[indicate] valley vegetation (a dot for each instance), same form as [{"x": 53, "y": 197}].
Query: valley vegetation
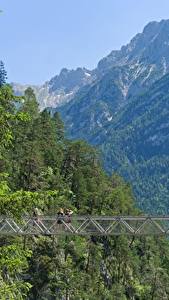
[{"x": 40, "y": 168}]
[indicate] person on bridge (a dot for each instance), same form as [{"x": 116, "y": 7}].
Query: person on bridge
[
  {"x": 36, "y": 214},
  {"x": 68, "y": 213},
  {"x": 60, "y": 215}
]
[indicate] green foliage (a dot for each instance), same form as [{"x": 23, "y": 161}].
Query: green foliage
[
  {"x": 44, "y": 170},
  {"x": 13, "y": 261}
]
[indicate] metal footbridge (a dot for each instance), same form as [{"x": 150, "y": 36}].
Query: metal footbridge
[{"x": 85, "y": 225}]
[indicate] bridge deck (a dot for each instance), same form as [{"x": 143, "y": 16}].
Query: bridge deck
[{"x": 86, "y": 225}]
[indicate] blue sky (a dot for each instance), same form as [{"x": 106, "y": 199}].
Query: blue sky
[{"x": 40, "y": 37}]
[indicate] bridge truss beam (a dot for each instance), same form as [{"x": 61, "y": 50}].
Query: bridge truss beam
[{"x": 86, "y": 225}]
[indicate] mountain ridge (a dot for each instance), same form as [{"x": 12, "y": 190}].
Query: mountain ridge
[{"x": 59, "y": 90}]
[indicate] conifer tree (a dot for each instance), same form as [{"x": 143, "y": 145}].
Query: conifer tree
[{"x": 3, "y": 74}]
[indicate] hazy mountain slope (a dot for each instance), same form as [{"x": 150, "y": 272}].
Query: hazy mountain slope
[{"x": 60, "y": 89}]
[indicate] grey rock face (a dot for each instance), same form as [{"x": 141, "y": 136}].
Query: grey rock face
[{"x": 60, "y": 89}]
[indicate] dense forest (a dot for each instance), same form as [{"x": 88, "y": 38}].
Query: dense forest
[{"x": 40, "y": 168}]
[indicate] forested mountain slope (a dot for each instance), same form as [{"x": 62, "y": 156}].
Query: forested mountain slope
[
  {"x": 135, "y": 143},
  {"x": 125, "y": 113},
  {"x": 40, "y": 168}
]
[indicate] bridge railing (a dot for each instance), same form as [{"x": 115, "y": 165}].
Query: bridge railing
[{"x": 86, "y": 225}]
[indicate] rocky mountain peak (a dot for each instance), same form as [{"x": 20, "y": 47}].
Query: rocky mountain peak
[
  {"x": 149, "y": 47},
  {"x": 69, "y": 80}
]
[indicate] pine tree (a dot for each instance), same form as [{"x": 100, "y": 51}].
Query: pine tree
[{"x": 3, "y": 74}]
